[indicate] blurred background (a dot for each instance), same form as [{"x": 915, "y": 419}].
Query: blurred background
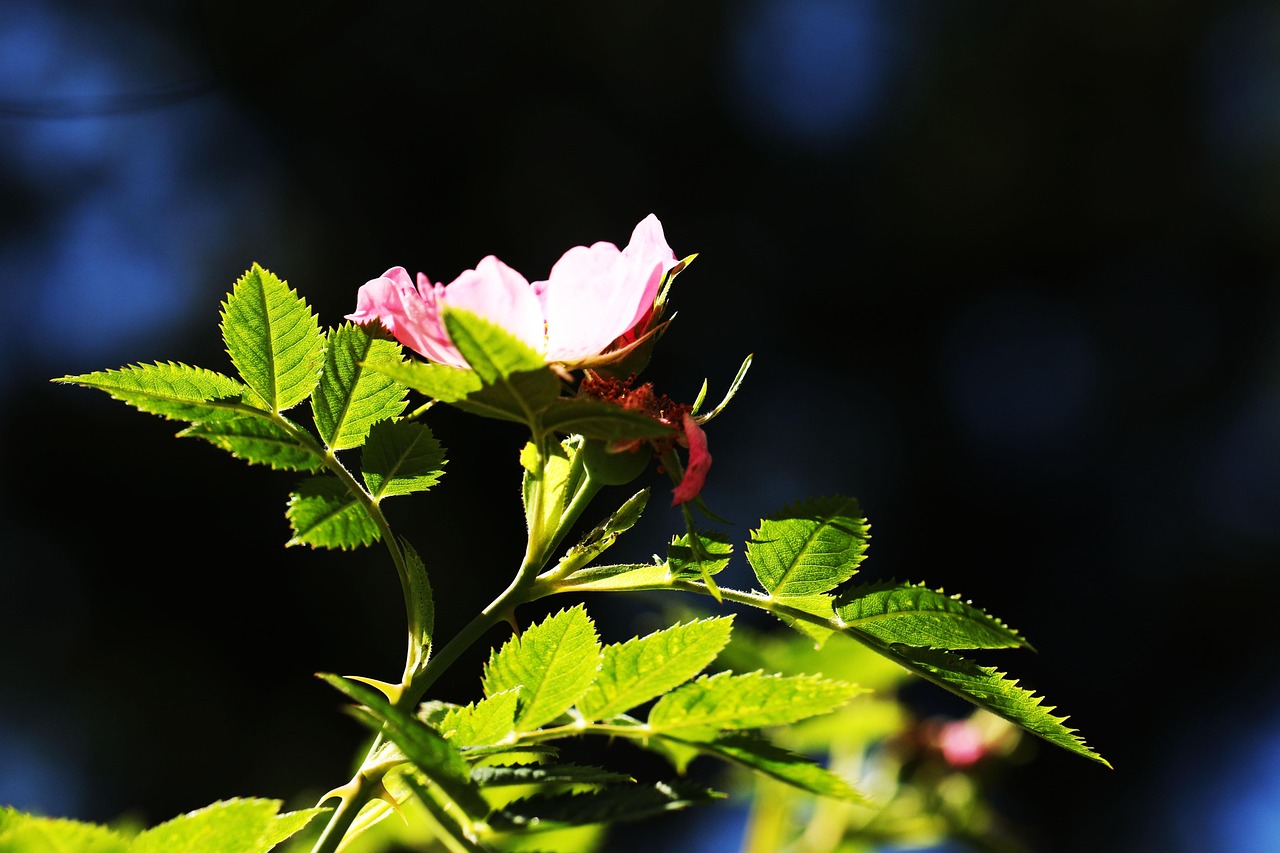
[{"x": 1009, "y": 273}]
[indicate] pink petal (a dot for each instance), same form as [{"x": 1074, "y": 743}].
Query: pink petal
[
  {"x": 595, "y": 294},
  {"x": 502, "y": 296},
  {"x": 695, "y": 473},
  {"x": 382, "y": 299}
]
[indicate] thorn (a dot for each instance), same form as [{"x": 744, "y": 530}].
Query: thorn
[
  {"x": 380, "y": 792},
  {"x": 391, "y": 691}
]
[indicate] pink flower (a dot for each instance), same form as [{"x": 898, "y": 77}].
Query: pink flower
[{"x": 594, "y": 295}]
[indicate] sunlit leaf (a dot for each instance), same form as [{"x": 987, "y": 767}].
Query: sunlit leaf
[
  {"x": 273, "y": 338},
  {"x": 401, "y": 457},
  {"x": 646, "y": 667},
  {"x": 171, "y": 390},
  {"x": 553, "y": 663},
  {"x": 324, "y": 514},
  {"x": 259, "y": 441},
  {"x": 350, "y": 397}
]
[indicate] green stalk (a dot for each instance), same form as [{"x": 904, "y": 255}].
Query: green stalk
[{"x": 363, "y": 788}]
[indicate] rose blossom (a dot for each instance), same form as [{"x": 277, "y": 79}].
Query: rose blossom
[{"x": 593, "y": 295}]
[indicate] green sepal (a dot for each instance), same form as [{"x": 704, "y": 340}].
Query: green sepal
[
  {"x": 350, "y": 397},
  {"x": 400, "y": 458},
  {"x": 552, "y": 662},
  {"x": 763, "y": 756},
  {"x": 323, "y": 513},
  {"x": 644, "y": 668},
  {"x": 259, "y": 441},
  {"x": 429, "y": 752},
  {"x": 169, "y": 389},
  {"x": 273, "y": 338},
  {"x": 601, "y": 419},
  {"x": 915, "y": 615},
  {"x": 614, "y": 804}
]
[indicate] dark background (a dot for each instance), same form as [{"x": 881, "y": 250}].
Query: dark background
[{"x": 1008, "y": 272}]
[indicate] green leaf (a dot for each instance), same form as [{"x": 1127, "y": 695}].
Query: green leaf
[
  {"x": 350, "y": 397},
  {"x": 171, "y": 390},
  {"x": 602, "y": 420},
  {"x": 708, "y": 557},
  {"x": 258, "y": 441},
  {"x": 273, "y": 338},
  {"x": 612, "y": 805},
  {"x": 613, "y": 578},
  {"x": 438, "y": 381},
  {"x": 763, "y": 756},
  {"x": 517, "y": 384},
  {"x": 482, "y": 723},
  {"x": 401, "y": 457},
  {"x": 242, "y": 825},
  {"x": 493, "y": 352},
  {"x": 553, "y": 480},
  {"x": 726, "y": 701},
  {"x": 553, "y": 663},
  {"x": 421, "y": 605},
  {"x": 809, "y": 548},
  {"x": 646, "y": 667},
  {"x": 423, "y": 746},
  {"x": 917, "y": 616},
  {"x": 569, "y": 774},
  {"x": 987, "y": 688},
  {"x": 444, "y": 825},
  {"x": 819, "y": 604},
  {"x": 324, "y": 514},
  {"x": 26, "y": 833}
]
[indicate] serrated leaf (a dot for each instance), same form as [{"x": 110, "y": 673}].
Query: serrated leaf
[
  {"x": 169, "y": 389},
  {"x": 429, "y": 752},
  {"x": 243, "y": 825},
  {"x": 27, "y": 833},
  {"x": 763, "y": 756},
  {"x": 987, "y": 688},
  {"x": 915, "y": 615},
  {"x": 646, "y": 667},
  {"x": 484, "y": 723},
  {"x": 258, "y": 441},
  {"x": 809, "y": 548},
  {"x": 571, "y": 774},
  {"x": 553, "y": 663},
  {"x": 726, "y": 701},
  {"x": 350, "y": 397},
  {"x": 709, "y": 556},
  {"x": 401, "y": 457},
  {"x": 601, "y": 419},
  {"x": 324, "y": 514},
  {"x": 516, "y": 383},
  {"x": 612, "y": 805},
  {"x": 273, "y": 338},
  {"x": 441, "y": 382}
]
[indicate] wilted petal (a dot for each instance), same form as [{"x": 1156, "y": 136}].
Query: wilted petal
[{"x": 695, "y": 473}]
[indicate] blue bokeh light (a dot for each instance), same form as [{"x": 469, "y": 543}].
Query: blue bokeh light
[{"x": 811, "y": 72}]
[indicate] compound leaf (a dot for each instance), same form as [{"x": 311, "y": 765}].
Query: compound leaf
[{"x": 553, "y": 663}]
